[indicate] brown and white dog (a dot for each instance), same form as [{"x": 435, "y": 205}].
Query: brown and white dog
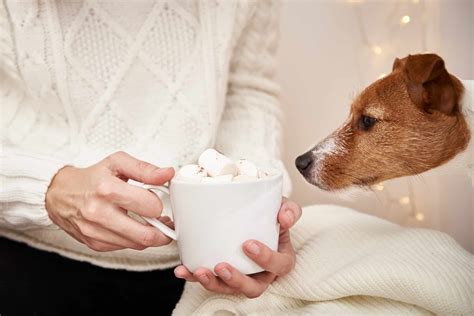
[{"x": 406, "y": 123}]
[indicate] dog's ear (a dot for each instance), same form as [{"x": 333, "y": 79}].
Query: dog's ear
[
  {"x": 397, "y": 63},
  {"x": 429, "y": 84}
]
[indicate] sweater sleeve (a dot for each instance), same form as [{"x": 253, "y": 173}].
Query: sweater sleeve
[
  {"x": 251, "y": 126},
  {"x": 24, "y": 175},
  {"x": 24, "y": 179}
]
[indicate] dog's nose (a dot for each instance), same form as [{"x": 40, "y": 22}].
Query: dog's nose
[{"x": 304, "y": 161}]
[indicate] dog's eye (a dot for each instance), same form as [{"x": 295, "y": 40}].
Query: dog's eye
[{"x": 366, "y": 122}]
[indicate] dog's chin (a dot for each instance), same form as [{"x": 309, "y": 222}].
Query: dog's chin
[
  {"x": 347, "y": 192},
  {"x": 340, "y": 185},
  {"x": 316, "y": 182},
  {"x": 321, "y": 184}
]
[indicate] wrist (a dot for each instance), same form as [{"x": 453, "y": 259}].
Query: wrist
[{"x": 56, "y": 183}]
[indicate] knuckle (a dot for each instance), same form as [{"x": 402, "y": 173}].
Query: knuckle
[
  {"x": 105, "y": 189},
  {"x": 149, "y": 237},
  {"x": 85, "y": 230},
  {"x": 287, "y": 267},
  {"x": 266, "y": 258},
  {"x": 90, "y": 213},
  {"x": 285, "y": 237},
  {"x": 116, "y": 157},
  {"x": 145, "y": 167},
  {"x": 213, "y": 287},
  {"x": 142, "y": 164}
]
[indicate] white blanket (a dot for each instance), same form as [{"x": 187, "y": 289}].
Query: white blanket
[{"x": 352, "y": 263}]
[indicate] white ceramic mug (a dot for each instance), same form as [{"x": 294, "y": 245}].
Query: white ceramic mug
[{"x": 213, "y": 220}]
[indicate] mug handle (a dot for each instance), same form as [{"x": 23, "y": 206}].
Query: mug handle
[{"x": 153, "y": 221}]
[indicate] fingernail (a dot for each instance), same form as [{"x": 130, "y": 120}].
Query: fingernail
[
  {"x": 253, "y": 248},
  {"x": 225, "y": 274},
  {"x": 176, "y": 273},
  {"x": 289, "y": 216},
  {"x": 203, "y": 278}
]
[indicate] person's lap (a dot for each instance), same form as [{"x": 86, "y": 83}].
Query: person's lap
[{"x": 35, "y": 282}]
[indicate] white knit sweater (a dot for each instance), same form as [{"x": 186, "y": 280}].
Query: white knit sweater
[{"x": 161, "y": 80}]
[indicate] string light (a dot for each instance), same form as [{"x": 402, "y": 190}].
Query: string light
[
  {"x": 381, "y": 76},
  {"x": 420, "y": 217},
  {"x": 377, "y": 49},
  {"x": 405, "y": 200},
  {"x": 405, "y": 20},
  {"x": 378, "y": 186}
]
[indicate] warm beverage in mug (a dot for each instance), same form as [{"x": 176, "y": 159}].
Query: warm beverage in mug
[{"x": 214, "y": 218}]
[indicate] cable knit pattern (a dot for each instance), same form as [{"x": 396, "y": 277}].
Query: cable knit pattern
[
  {"x": 161, "y": 80},
  {"x": 351, "y": 263}
]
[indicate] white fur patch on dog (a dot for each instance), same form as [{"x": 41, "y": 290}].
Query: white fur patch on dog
[
  {"x": 326, "y": 147},
  {"x": 330, "y": 146}
]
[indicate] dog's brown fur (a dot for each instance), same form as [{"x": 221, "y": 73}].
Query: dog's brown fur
[{"x": 419, "y": 125}]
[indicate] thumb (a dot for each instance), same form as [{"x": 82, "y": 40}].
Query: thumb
[{"x": 125, "y": 166}]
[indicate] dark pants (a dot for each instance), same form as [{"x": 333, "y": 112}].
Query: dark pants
[{"x": 34, "y": 282}]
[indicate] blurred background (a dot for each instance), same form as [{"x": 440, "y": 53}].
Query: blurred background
[{"x": 329, "y": 51}]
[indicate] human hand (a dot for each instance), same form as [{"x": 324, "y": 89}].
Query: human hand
[
  {"x": 276, "y": 263},
  {"x": 91, "y": 204}
]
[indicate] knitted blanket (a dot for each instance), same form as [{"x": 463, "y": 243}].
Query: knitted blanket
[{"x": 352, "y": 263}]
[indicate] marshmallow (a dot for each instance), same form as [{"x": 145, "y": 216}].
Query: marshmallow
[
  {"x": 247, "y": 168},
  {"x": 192, "y": 172},
  {"x": 244, "y": 178},
  {"x": 227, "y": 178},
  {"x": 214, "y": 167},
  {"x": 216, "y": 164}
]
